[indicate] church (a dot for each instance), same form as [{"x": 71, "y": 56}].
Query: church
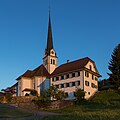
[{"x": 81, "y": 73}]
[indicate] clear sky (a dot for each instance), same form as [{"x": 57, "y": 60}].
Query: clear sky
[{"x": 80, "y": 28}]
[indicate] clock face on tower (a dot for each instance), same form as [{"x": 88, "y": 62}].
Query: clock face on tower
[{"x": 52, "y": 52}]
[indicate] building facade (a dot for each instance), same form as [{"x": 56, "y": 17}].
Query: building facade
[{"x": 81, "y": 73}]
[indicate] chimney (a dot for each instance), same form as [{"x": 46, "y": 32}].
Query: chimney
[{"x": 67, "y": 61}]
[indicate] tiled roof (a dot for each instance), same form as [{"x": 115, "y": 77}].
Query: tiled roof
[
  {"x": 28, "y": 74},
  {"x": 27, "y": 90},
  {"x": 71, "y": 66},
  {"x": 49, "y": 39},
  {"x": 39, "y": 71}
]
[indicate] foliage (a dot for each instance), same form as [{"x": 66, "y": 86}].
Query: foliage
[
  {"x": 1, "y": 99},
  {"x": 41, "y": 102},
  {"x": 114, "y": 66},
  {"x": 105, "y": 106},
  {"x": 108, "y": 97},
  {"x": 44, "y": 99},
  {"x": 80, "y": 94},
  {"x": 33, "y": 93},
  {"x": 54, "y": 93}
]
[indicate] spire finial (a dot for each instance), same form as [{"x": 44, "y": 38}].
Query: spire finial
[{"x": 49, "y": 7}]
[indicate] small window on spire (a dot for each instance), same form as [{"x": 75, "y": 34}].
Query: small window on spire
[
  {"x": 51, "y": 61},
  {"x": 54, "y": 62}
]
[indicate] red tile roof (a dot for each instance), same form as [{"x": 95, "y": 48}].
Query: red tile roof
[
  {"x": 27, "y": 90},
  {"x": 71, "y": 66},
  {"x": 39, "y": 71}
]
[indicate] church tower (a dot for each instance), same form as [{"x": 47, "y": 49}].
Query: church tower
[{"x": 50, "y": 58}]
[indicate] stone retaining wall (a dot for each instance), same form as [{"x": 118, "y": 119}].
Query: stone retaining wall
[
  {"x": 52, "y": 105},
  {"x": 22, "y": 99}
]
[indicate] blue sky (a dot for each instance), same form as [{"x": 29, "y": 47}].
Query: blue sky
[{"x": 80, "y": 28}]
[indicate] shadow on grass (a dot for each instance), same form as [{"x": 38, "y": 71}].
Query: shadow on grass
[{"x": 7, "y": 111}]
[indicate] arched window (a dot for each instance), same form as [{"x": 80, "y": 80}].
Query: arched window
[
  {"x": 51, "y": 61},
  {"x": 54, "y": 62}
]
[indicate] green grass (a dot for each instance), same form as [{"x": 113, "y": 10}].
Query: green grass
[
  {"x": 9, "y": 112},
  {"x": 105, "y": 106}
]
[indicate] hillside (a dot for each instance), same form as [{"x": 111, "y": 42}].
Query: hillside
[{"x": 105, "y": 106}]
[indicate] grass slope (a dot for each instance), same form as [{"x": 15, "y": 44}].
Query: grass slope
[
  {"x": 105, "y": 106},
  {"x": 10, "y": 112}
]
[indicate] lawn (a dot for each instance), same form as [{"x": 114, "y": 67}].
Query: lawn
[
  {"x": 10, "y": 112},
  {"x": 105, "y": 106}
]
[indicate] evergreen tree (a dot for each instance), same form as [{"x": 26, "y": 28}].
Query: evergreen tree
[{"x": 114, "y": 66}]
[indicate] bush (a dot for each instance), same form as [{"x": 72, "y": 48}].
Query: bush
[
  {"x": 34, "y": 93},
  {"x": 1, "y": 99},
  {"x": 8, "y": 97},
  {"x": 80, "y": 94}
]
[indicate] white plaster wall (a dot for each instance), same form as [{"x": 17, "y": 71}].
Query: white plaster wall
[
  {"x": 92, "y": 66},
  {"x": 42, "y": 83},
  {"x": 89, "y": 88},
  {"x": 70, "y": 89},
  {"x": 22, "y": 84}
]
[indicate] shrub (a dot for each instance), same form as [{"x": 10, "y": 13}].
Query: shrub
[
  {"x": 34, "y": 93},
  {"x": 8, "y": 97},
  {"x": 80, "y": 94}
]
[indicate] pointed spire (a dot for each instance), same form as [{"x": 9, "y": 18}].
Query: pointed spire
[{"x": 49, "y": 37}]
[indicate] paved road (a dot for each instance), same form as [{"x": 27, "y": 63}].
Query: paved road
[{"x": 35, "y": 116}]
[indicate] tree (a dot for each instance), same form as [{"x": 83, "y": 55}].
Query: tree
[
  {"x": 114, "y": 66},
  {"x": 79, "y": 94},
  {"x": 55, "y": 93},
  {"x": 34, "y": 93}
]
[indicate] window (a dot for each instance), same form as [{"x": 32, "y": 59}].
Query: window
[
  {"x": 61, "y": 85},
  {"x": 51, "y": 61},
  {"x": 78, "y": 73},
  {"x": 54, "y": 62},
  {"x": 57, "y": 78},
  {"x": 92, "y": 77},
  {"x": 73, "y": 83},
  {"x": 93, "y": 85},
  {"x": 96, "y": 78},
  {"x": 77, "y": 83},
  {"x": 73, "y": 74},
  {"x": 67, "y": 85},
  {"x": 86, "y": 74},
  {"x": 53, "y": 79},
  {"x": 57, "y": 86},
  {"x": 67, "y": 76},
  {"x": 74, "y": 94},
  {"x": 62, "y": 77},
  {"x": 52, "y": 52},
  {"x": 88, "y": 93},
  {"x": 86, "y": 83},
  {"x": 90, "y": 67}
]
